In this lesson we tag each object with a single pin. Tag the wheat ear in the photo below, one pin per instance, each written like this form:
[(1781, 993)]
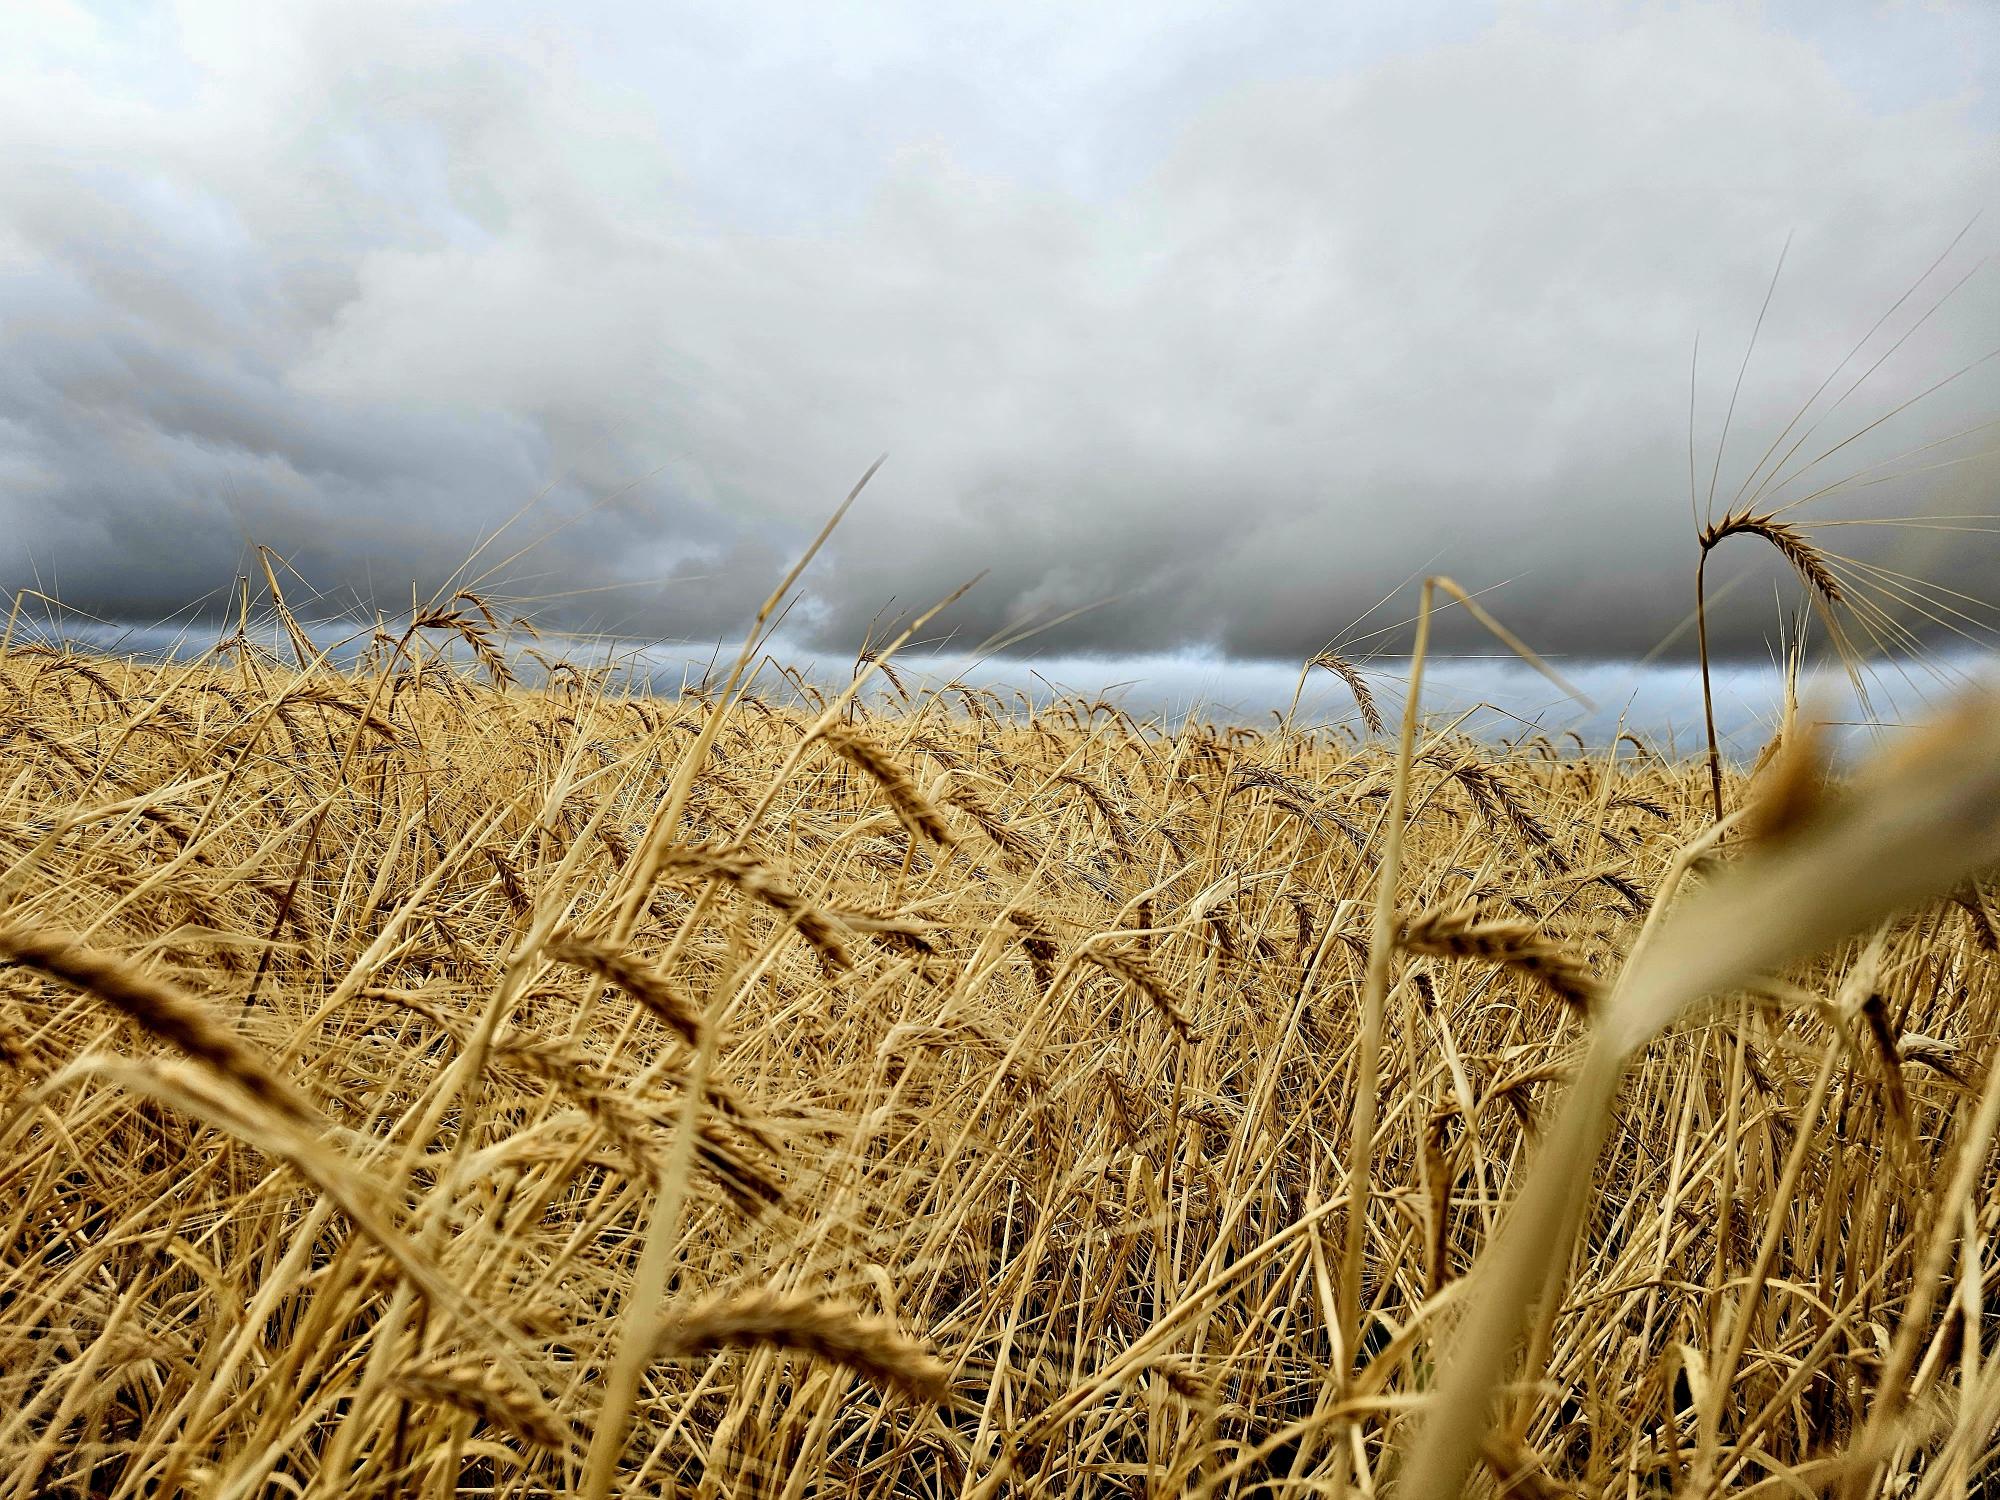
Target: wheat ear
[(161, 1008), (873, 1347), (478, 1389), (1520, 946), (916, 812), (1127, 964), (1792, 543), (761, 882), (643, 983), (1347, 672)]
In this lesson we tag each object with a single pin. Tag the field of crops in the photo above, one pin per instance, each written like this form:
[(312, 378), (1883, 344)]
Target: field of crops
[(417, 1082)]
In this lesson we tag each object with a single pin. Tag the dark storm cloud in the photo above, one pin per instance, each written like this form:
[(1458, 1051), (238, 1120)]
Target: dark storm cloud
[(1224, 332)]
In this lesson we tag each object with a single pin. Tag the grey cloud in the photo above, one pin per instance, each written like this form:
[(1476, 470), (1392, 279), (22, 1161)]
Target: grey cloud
[(1231, 361)]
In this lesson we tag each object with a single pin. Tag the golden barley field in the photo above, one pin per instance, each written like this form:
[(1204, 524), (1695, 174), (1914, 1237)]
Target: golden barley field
[(418, 1082)]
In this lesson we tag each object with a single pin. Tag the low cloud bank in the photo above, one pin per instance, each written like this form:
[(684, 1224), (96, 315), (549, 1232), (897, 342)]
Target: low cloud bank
[(1491, 696)]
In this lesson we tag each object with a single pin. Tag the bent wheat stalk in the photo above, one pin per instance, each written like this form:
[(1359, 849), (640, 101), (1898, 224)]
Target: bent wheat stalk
[(1807, 561)]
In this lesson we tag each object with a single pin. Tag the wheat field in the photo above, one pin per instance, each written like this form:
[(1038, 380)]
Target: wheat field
[(416, 1082)]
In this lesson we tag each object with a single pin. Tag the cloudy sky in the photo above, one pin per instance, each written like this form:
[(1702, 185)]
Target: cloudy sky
[(1220, 324)]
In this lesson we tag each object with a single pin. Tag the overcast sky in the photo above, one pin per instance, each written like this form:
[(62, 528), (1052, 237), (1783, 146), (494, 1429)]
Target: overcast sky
[(1222, 323)]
